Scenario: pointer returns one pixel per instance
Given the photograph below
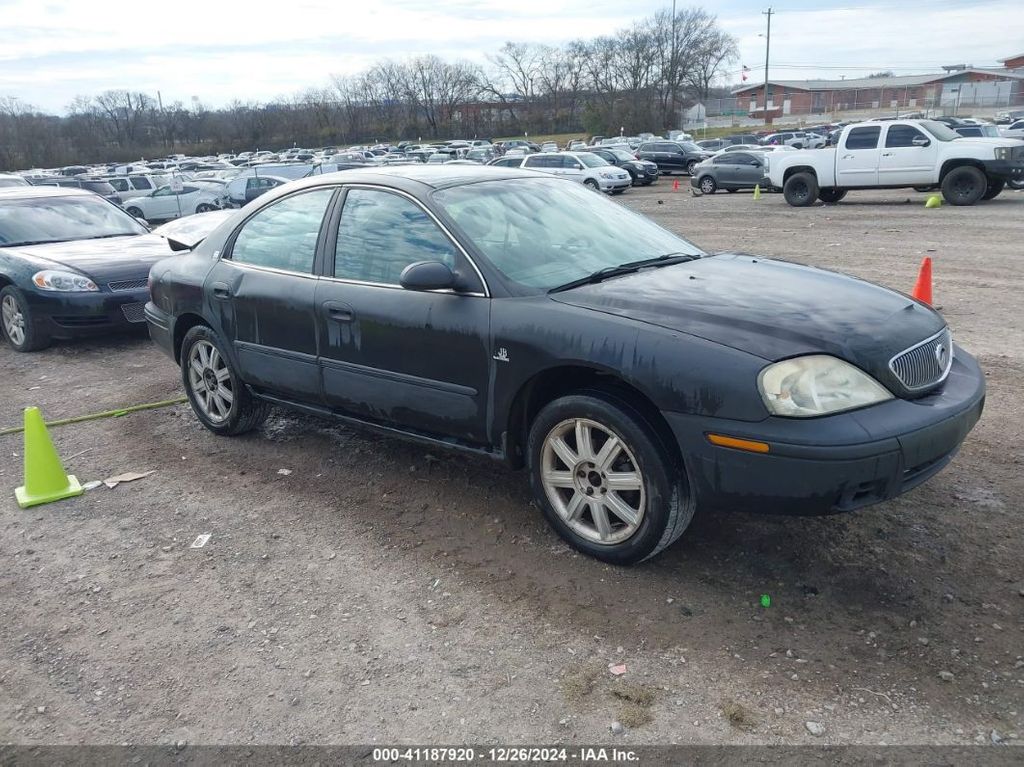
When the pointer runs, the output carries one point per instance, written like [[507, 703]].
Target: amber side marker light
[[740, 444]]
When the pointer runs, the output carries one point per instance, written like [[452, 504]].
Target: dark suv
[[673, 156]]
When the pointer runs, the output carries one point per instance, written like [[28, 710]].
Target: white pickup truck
[[889, 154]]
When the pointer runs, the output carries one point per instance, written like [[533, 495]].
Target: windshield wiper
[[26, 243], [106, 236], [628, 268]]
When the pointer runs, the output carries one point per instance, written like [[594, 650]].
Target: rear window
[[141, 182], [100, 187]]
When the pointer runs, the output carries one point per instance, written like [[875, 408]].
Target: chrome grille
[[134, 312], [925, 364], [127, 285]]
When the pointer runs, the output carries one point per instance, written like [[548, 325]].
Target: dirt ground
[[358, 589]]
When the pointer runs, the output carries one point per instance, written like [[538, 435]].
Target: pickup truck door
[[908, 157], [857, 157]]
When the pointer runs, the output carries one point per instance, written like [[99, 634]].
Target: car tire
[[204, 207], [134, 212], [923, 188], [1016, 183], [591, 184], [691, 167], [964, 185], [653, 516], [993, 190], [228, 414], [801, 189], [707, 185], [831, 196], [17, 326]]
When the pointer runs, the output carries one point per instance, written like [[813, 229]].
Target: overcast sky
[[53, 50]]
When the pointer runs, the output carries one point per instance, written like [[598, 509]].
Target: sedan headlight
[[804, 387], [64, 282]]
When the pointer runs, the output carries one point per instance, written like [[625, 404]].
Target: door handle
[[339, 312], [886, 154], [221, 291], [847, 156]]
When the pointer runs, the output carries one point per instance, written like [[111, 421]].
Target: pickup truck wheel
[[218, 398], [994, 188], [604, 480], [831, 196], [965, 185], [801, 190], [708, 185]]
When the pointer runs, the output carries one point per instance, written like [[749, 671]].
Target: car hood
[[991, 141], [772, 309], [114, 258]]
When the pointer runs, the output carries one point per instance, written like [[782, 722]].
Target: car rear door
[[857, 158], [909, 157], [418, 360], [262, 291]]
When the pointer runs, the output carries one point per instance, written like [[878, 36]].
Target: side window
[[902, 135], [189, 189], [141, 182], [382, 233], [568, 161], [863, 138], [119, 184], [284, 234], [730, 158], [164, 191], [740, 158]]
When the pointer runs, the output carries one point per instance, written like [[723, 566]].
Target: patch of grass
[[738, 715], [638, 694], [579, 682], [634, 715]]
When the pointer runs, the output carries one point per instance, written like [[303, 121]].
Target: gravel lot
[[358, 589]]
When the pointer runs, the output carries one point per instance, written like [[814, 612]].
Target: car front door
[[418, 360], [675, 158], [908, 157], [857, 159], [262, 290]]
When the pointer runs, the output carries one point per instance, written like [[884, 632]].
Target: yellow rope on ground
[[104, 414]]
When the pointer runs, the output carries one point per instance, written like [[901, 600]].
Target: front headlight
[[605, 174], [1003, 152], [817, 385], [65, 282]]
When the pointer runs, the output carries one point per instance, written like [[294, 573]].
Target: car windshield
[[591, 160], [542, 233], [39, 220], [621, 154], [941, 131]]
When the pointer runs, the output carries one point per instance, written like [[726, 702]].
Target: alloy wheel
[[13, 319], [707, 185], [210, 381], [593, 481]]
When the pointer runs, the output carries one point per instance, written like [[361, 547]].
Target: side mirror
[[577, 166], [427, 275], [756, 163], [920, 141]]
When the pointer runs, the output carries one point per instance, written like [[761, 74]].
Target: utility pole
[[672, 67], [767, 50]]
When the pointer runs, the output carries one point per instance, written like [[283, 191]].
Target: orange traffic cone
[[923, 287], [675, 185]]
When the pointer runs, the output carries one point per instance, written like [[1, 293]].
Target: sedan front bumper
[[834, 463], [71, 315], [612, 184]]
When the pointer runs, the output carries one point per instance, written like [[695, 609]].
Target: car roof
[[415, 177], [27, 192]]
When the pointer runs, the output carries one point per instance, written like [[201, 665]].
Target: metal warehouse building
[[957, 86]]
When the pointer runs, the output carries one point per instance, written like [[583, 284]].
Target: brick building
[[957, 87]]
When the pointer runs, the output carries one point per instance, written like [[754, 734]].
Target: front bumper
[[161, 329], [834, 463], [611, 184], [1005, 170], [72, 315]]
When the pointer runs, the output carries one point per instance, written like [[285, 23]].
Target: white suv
[[584, 167]]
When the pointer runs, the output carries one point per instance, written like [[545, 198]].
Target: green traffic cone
[[933, 202], [45, 480]]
